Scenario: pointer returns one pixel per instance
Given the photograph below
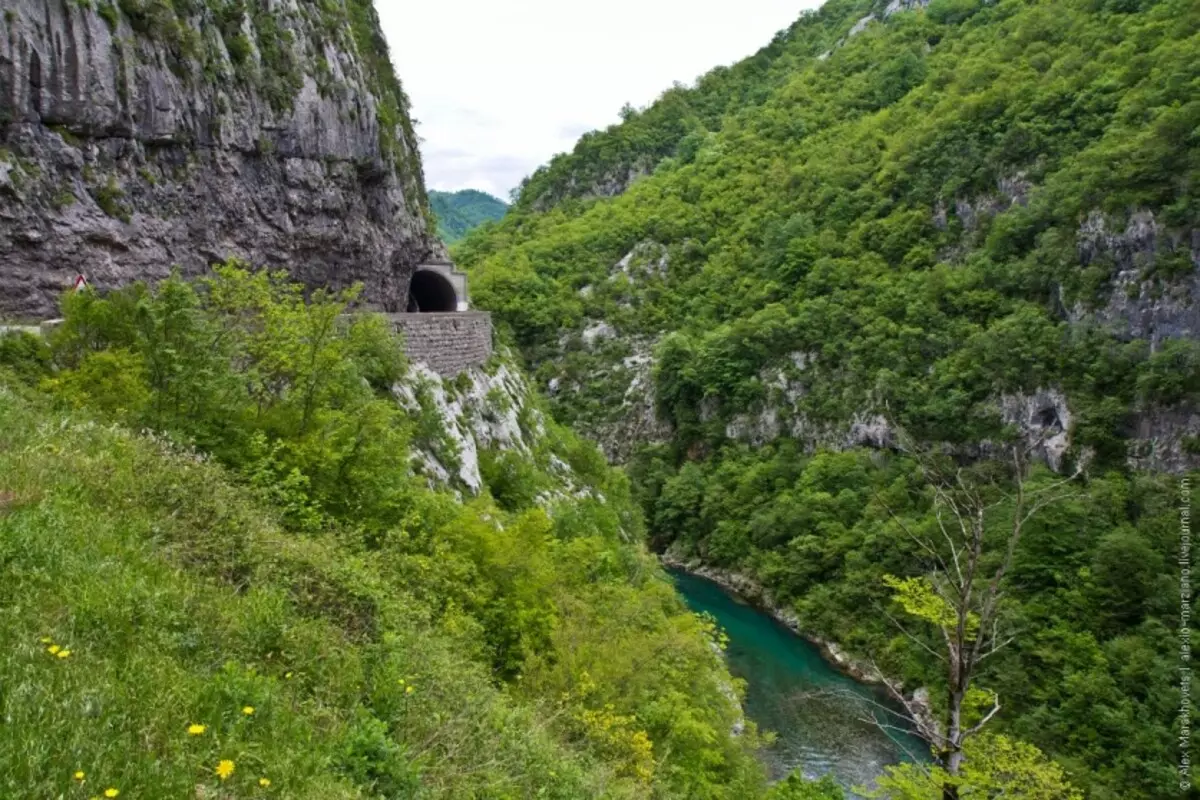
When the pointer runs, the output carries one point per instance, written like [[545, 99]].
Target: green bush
[[26, 355]]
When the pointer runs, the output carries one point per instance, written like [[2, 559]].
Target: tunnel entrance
[[430, 291]]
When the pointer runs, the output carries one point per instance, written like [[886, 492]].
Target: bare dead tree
[[980, 514]]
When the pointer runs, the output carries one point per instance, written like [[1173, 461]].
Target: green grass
[[181, 602]]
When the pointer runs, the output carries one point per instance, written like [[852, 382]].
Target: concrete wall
[[446, 343]]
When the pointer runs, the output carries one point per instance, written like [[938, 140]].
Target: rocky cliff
[[138, 135]]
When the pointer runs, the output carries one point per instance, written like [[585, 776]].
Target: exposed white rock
[[646, 259], [757, 429], [597, 331], [861, 25], [1163, 440], [1011, 190], [1139, 308], [1044, 421], [484, 411], [424, 390], [896, 6]]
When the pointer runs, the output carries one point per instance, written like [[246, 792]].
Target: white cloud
[[499, 88]]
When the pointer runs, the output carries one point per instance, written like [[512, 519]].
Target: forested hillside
[[460, 212], [903, 228], [281, 588]]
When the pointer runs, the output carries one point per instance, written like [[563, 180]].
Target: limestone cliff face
[[140, 134]]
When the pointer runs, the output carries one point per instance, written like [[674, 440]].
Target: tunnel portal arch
[[431, 291]]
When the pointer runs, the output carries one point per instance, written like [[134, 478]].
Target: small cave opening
[[430, 291], [1048, 418]]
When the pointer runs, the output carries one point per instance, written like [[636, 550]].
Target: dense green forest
[[908, 225], [460, 212]]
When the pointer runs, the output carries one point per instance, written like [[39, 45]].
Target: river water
[[817, 712]]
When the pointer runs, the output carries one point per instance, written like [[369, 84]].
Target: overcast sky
[[500, 87]]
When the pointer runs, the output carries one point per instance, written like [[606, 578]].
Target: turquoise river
[[817, 712]]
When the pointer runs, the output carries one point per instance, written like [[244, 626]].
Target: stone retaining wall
[[447, 343]]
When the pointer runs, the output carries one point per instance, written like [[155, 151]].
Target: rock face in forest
[[139, 135]]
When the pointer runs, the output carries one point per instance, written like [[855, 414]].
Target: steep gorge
[[904, 227]]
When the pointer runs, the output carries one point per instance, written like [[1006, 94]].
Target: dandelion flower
[[53, 649], [63, 654], [111, 792], [409, 690], [248, 710], [196, 730], [264, 782], [79, 775], [224, 769]]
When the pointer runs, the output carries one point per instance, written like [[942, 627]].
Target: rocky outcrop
[[478, 410], [896, 6], [483, 408], [609, 183], [1043, 421], [133, 141], [1154, 277]]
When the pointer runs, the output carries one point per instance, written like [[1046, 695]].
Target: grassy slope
[[181, 602]]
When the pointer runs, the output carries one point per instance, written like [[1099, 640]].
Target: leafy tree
[[995, 766]]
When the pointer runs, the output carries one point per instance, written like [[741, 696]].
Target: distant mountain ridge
[[462, 211]]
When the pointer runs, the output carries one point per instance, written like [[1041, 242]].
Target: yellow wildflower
[[79, 775], [53, 649], [264, 782], [63, 654], [196, 729], [248, 710], [224, 769], [408, 690], [111, 792]]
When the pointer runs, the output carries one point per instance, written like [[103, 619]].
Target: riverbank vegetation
[[256, 594], [1089, 677]]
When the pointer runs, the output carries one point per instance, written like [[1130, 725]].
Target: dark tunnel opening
[[430, 291]]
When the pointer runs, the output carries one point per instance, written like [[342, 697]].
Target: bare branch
[[885, 728], [986, 719], [953, 550]]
